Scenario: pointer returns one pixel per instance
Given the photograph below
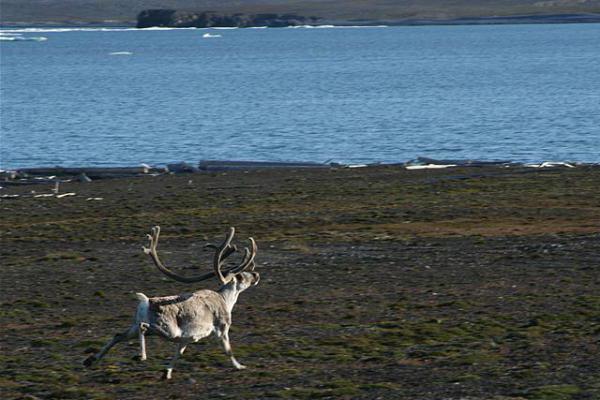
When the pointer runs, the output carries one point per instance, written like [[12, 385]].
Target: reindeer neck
[[230, 295]]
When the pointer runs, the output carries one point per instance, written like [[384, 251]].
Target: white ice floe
[[361, 26], [210, 35], [60, 196], [158, 28], [15, 31], [121, 53], [311, 26], [48, 30], [94, 198], [18, 38], [548, 164], [61, 30], [430, 166], [335, 26], [146, 167]]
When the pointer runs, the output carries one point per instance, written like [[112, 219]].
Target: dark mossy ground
[[475, 283]]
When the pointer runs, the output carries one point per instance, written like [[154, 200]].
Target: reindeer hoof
[[89, 361], [138, 358], [166, 375]]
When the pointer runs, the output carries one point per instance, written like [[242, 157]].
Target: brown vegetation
[[478, 283]]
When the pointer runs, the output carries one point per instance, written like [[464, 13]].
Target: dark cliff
[[208, 19]]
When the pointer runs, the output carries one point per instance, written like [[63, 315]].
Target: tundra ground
[[466, 283]]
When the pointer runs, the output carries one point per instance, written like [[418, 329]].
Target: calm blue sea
[[387, 94]]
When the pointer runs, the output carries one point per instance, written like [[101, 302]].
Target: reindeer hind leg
[[119, 337], [142, 336], [180, 349]]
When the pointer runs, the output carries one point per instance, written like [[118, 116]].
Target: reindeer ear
[[229, 278]]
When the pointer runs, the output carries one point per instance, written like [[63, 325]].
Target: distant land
[[192, 19], [337, 12]]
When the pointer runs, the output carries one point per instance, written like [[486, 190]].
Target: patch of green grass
[[63, 255], [332, 389], [75, 392], [466, 378], [33, 303], [553, 392], [380, 385], [474, 358], [41, 343], [89, 343], [12, 313], [67, 323]]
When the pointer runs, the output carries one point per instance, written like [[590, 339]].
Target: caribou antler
[[221, 253], [153, 253], [248, 259], [219, 257]]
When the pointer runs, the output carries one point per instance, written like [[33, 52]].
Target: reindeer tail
[[142, 308], [142, 297]]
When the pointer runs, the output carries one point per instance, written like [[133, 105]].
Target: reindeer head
[[244, 280], [236, 275]]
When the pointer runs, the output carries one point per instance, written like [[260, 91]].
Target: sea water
[[94, 97]]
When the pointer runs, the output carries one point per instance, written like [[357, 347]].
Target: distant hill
[[124, 12]]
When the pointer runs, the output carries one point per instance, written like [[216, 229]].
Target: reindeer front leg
[[227, 348]]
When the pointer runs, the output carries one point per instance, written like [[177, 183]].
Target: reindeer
[[187, 318]]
